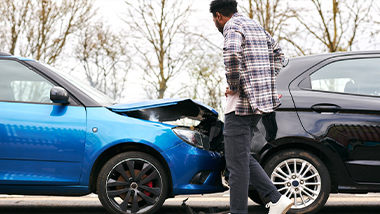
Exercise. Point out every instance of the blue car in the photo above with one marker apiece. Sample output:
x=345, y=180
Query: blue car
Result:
x=60, y=137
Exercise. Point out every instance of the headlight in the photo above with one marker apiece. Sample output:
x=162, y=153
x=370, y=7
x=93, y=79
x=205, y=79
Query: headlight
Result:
x=191, y=137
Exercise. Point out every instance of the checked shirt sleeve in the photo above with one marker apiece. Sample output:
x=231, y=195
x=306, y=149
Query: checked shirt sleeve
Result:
x=278, y=56
x=232, y=52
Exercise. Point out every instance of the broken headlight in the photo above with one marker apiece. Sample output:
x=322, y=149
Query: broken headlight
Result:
x=192, y=137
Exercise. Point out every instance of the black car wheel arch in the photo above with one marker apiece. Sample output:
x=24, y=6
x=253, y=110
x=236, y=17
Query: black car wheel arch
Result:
x=335, y=166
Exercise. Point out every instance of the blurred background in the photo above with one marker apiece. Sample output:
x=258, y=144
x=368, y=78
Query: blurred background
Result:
x=135, y=50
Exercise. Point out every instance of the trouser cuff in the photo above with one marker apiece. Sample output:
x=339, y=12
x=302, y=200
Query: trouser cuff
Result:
x=273, y=197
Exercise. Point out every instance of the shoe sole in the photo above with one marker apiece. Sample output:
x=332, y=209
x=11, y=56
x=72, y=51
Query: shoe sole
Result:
x=287, y=208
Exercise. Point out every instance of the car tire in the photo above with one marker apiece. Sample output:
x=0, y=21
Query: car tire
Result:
x=142, y=192
x=310, y=184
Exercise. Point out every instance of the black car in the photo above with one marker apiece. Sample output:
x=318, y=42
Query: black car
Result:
x=325, y=137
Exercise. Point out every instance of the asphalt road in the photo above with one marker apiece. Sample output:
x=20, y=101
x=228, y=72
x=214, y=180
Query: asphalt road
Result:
x=337, y=204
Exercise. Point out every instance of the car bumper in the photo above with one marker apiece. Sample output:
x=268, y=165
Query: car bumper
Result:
x=194, y=170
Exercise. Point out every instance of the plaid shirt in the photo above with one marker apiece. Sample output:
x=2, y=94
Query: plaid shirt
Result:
x=252, y=59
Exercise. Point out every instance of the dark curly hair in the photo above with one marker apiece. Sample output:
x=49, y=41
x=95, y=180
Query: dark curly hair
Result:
x=225, y=7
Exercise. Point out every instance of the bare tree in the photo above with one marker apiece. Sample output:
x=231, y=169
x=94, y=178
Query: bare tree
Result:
x=273, y=15
x=377, y=11
x=13, y=20
x=276, y=17
x=335, y=24
x=207, y=78
x=41, y=28
x=105, y=58
x=159, y=31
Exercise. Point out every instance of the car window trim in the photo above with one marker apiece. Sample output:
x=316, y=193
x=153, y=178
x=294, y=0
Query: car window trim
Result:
x=341, y=93
x=54, y=104
x=306, y=74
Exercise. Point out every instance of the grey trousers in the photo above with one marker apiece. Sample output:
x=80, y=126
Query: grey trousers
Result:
x=244, y=169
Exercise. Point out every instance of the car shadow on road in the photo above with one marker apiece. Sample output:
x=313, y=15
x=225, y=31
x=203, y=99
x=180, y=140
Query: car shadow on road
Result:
x=357, y=209
x=342, y=209
x=255, y=209
x=31, y=209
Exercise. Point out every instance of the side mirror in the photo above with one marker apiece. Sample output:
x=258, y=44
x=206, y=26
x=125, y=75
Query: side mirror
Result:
x=59, y=95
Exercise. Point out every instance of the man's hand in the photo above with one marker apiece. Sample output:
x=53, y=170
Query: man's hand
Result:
x=229, y=92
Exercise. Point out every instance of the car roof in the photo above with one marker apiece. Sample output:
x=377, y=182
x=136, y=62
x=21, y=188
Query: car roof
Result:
x=9, y=56
x=320, y=57
x=4, y=54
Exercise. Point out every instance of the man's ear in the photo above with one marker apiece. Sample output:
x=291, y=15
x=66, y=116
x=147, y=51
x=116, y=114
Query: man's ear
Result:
x=218, y=16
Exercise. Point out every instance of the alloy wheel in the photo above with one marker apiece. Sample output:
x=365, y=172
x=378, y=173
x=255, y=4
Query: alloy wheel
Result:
x=134, y=185
x=298, y=180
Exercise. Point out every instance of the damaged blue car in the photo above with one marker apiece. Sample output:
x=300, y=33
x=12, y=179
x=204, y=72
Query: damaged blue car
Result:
x=60, y=137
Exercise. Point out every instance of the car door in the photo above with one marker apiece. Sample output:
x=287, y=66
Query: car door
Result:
x=40, y=142
x=338, y=102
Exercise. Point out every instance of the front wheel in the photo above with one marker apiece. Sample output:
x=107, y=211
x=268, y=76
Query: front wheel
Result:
x=300, y=176
x=132, y=182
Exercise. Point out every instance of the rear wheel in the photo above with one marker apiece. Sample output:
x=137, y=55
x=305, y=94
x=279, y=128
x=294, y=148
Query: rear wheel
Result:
x=132, y=182
x=302, y=177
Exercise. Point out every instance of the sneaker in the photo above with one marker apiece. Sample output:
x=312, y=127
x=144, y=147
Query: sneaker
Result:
x=281, y=207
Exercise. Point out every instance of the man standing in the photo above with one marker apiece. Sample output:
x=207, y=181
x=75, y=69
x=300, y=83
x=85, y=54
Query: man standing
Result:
x=252, y=60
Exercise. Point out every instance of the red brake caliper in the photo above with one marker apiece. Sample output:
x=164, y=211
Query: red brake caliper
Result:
x=150, y=184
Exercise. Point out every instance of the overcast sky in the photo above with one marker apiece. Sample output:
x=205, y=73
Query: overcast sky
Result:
x=113, y=11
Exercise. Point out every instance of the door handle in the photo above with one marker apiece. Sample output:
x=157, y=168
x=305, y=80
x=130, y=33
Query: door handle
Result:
x=326, y=108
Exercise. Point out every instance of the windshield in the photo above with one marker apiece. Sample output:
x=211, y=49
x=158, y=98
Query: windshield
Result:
x=92, y=92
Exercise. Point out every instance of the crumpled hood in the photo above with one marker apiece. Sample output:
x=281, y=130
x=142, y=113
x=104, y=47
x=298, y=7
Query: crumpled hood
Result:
x=166, y=110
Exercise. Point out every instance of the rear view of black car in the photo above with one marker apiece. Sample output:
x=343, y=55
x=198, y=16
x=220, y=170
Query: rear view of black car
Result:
x=325, y=137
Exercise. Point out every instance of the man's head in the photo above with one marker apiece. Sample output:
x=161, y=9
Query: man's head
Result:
x=222, y=10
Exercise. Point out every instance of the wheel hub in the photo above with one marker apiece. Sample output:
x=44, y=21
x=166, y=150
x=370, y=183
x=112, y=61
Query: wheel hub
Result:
x=134, y=185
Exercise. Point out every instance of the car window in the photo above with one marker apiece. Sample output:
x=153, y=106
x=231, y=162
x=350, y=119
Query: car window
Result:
x=19, y=83
x=357, y=76
x=92, y=92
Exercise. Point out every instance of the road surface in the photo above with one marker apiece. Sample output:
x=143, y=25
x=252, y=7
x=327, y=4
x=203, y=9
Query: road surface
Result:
x=337, y=204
